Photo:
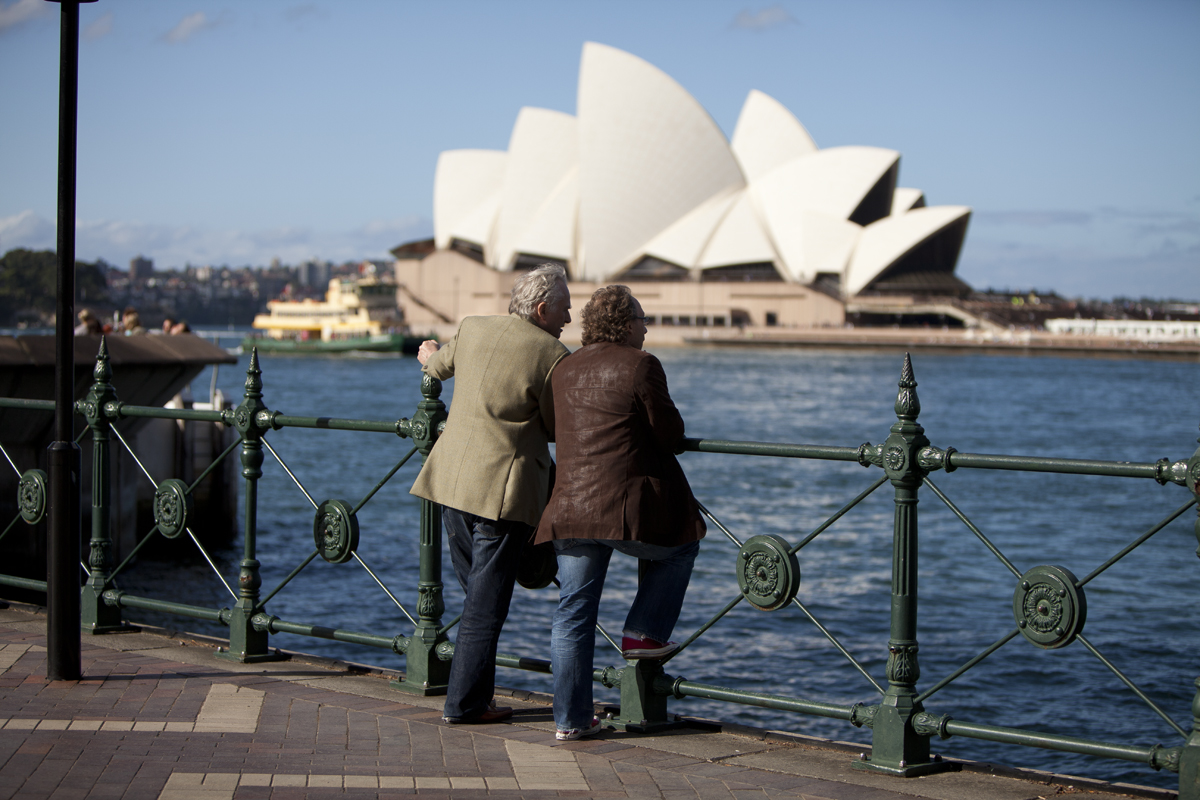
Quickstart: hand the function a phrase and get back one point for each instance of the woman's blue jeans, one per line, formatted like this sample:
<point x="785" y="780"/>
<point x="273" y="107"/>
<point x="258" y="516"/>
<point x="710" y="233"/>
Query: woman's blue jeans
<point x="582" y="567"/>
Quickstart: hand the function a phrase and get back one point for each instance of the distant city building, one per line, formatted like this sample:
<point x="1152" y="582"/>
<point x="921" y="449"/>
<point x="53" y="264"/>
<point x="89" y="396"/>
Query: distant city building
<point x="641" y="185"/>
<point x="141" y="268"/>
<point x="314" y="273"/>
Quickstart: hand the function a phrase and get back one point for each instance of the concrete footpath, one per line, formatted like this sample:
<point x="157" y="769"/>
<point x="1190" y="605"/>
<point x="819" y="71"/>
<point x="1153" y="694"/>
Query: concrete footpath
<point x="161" y="716"/>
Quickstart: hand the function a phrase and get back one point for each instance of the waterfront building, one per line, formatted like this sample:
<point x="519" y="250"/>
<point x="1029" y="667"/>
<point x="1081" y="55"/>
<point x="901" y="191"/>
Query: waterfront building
<point x="1144" y="330"/>
<point x="640" y="186"/>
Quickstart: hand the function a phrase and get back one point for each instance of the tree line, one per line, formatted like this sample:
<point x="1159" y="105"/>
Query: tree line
<point x="29" y="285"/>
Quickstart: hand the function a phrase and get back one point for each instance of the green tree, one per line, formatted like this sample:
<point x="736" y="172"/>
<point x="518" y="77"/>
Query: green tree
<point x="29" y="281"/>
<point x="91" y="281"/>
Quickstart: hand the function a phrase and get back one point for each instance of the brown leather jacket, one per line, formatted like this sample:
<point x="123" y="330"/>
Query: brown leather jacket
<point x="616" y="432"/>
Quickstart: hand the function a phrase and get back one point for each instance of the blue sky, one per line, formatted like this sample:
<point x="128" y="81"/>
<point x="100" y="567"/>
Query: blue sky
<point x="218" y="132"/>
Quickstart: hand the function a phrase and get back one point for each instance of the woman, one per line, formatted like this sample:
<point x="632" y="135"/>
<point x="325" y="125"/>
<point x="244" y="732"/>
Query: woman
<point x="618" y="487"/>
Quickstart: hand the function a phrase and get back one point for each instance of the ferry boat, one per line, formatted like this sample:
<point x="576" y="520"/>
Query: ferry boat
<point x="357" y="314"/>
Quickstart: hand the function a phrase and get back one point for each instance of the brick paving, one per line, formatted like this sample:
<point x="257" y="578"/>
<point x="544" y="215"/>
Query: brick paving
<point x="162" y="718"/>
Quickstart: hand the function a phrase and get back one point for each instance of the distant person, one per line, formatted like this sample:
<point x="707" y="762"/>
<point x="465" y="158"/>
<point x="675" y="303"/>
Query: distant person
<point x="88" y="325"/>
<point x="617" y="487"/>
<point x="131" y="323"/>
<point x="168" y="323"/>
<point x="490" y="469"/>
<point x="180" y="327"/>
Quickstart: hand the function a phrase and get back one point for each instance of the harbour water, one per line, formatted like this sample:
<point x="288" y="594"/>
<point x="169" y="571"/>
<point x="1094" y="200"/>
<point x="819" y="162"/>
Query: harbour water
<point x="1140" y="612"/>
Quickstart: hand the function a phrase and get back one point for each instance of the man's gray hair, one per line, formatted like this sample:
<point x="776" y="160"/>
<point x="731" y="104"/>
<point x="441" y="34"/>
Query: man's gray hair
<point x="547" y="283"/>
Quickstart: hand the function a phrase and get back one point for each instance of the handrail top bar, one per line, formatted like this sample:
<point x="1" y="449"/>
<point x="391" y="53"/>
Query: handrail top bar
<point x="277" y="420"/>
<point x="826" y="452"/>
<point x="122" y="411"/>
<point x="26" y="403"/>
<point x="1075" y="466"/>
<point x="954" y="459"/>
<point x="335" y="423"/>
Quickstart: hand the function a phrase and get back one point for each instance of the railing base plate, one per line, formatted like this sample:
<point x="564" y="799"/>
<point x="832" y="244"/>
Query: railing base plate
<point x="97" y="630"/>
<point x="424" y="690"/>
<point x="640" y="726"/>
<point x="909" y="771"/>
<point x="257" y="658"/>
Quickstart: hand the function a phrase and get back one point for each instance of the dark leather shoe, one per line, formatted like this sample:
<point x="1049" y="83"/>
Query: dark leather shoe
<point x="493" y="714"/>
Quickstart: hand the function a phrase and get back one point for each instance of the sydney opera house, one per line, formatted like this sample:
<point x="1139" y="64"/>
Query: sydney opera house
<point x="641" y="187"/>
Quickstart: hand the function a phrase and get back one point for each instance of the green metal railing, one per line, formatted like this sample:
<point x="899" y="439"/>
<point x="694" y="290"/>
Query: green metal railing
<point x="1049" y="603"/>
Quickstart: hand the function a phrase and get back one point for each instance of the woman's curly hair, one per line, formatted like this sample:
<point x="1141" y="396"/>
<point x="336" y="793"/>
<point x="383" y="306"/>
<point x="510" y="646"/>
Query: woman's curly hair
<point x="608" y="315"/>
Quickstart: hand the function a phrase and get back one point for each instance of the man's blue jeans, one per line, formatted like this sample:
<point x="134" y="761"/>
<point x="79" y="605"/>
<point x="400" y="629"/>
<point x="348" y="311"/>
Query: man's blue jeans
<point x="582" y="567"/>
<point x="485" y="554"/>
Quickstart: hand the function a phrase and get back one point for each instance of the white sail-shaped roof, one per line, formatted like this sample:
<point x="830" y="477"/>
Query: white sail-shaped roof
<point x="642" y="170"/>
<point x="810" y="242"/>
<point x="739" y="239"/>
<point x="551" y="231"/>
<point x="543" y="148"/>
<point x="649" y="153"/>
<point x="479" y="224"/>
<point x="768" y="136"/>
<point x="682" y="242"/>
<point x="464" y="180"/>
<point x="831" y="181"/>
<point x="885" y="242"/>
<point x="906" y="200"/>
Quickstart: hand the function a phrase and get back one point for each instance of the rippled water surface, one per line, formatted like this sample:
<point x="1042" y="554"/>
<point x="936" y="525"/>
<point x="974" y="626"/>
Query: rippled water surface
<point x="1140" y="612"/>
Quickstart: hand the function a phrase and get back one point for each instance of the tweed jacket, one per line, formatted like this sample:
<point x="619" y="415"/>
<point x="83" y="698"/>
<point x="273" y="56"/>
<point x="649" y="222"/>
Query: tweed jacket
<point x="493" y="458"/>
<point x="616" y="432"/>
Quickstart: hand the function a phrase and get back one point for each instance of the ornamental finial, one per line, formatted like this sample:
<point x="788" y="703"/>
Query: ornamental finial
<point x="253" y="376"/>
<point x="102" y="371"/>
<point x="908" y="405"/>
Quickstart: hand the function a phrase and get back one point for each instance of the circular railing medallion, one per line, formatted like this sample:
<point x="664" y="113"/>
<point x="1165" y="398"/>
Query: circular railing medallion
<point x="768" y="572"/>
<point x="172" y="507"/>
<point x="31" y="496"/>
<point x="335" y="531"/>
<point x="1049" y="609"/>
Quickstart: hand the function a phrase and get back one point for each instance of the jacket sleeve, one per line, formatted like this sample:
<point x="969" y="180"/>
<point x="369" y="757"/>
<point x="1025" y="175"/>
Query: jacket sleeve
<point x="441" y="364"/>
<point x="651" y="391"/>
<point x="546" y="399"/>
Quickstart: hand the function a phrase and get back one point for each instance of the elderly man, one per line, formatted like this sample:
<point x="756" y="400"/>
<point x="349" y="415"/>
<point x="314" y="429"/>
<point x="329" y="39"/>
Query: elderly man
<point x="490" y="469"/>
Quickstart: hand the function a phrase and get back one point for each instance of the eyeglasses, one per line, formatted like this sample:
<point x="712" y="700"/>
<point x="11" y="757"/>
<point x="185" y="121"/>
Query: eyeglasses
<point x="641" y="319"/>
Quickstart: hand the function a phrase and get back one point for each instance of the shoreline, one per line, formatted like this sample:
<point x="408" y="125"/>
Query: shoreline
<point x="949" y="342"/>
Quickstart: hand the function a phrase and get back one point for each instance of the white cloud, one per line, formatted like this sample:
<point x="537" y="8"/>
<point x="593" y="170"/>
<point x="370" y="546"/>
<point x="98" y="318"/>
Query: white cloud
<point x="26" y="230"/>
<point x="14" y="14"/>
<point x="188" y="27"/>
<point x="100" y="28"/>
<point x="769" y="17"/>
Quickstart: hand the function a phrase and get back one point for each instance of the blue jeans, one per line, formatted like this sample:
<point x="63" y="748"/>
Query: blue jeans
<point x="485" y="554"/>
<point x="582" y="567"/>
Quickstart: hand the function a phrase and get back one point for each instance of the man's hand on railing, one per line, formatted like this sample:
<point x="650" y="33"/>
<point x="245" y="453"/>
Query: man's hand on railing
<point x="427" y="348"/>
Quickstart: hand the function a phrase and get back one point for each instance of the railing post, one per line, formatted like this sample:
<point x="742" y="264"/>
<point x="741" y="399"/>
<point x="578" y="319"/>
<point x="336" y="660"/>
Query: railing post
<point x="1189" y="759"/>
<point x="643" y="710"/>
<point x="96" y="615"/>
<point x="246" y="642"/>
<point x="425" y="671"/>
<point x="896" y="747"/>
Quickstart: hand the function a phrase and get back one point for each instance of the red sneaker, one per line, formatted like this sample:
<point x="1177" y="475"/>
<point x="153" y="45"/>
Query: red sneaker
<point x="633" y="648"/>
